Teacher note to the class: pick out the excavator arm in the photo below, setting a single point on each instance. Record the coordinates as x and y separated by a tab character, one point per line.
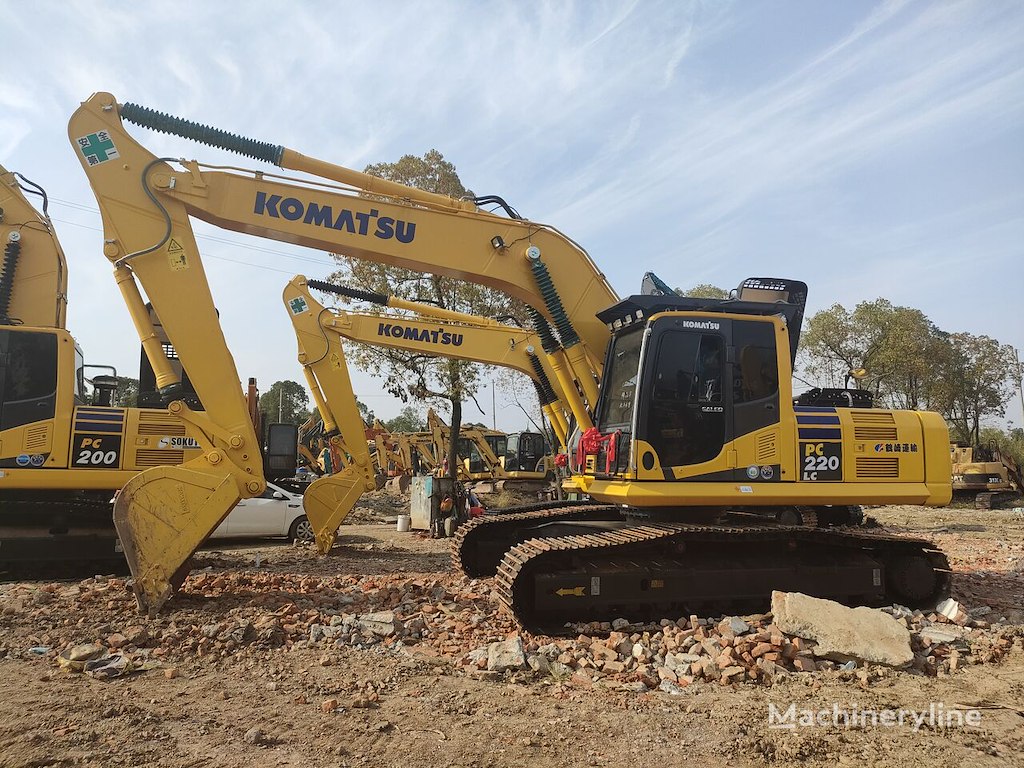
319	332
163	514
449	334
330	498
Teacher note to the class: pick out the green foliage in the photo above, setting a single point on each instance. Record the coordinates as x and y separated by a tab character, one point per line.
704	291
127	393
286	402
896	345
407	420
431	173
911	363
974	380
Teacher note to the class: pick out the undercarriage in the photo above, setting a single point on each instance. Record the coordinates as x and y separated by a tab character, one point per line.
558	565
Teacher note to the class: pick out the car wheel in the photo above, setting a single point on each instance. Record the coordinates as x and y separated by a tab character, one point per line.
301	530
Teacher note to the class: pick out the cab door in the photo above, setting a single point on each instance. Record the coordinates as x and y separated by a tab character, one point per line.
531	451
755	390
683	403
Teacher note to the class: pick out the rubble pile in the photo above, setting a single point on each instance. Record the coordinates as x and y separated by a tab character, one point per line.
755	649
220	614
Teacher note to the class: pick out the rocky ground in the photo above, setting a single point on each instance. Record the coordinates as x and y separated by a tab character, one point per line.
379	655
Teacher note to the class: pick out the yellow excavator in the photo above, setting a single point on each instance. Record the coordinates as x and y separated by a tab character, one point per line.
985	473
684	407
64	450
436	331
320	332
499	460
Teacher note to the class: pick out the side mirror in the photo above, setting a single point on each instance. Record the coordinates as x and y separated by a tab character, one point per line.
278	495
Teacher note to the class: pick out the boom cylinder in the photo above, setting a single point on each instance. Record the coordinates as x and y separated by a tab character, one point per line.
151	344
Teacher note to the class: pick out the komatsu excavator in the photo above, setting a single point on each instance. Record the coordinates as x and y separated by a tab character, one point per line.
319	332
684	405
63	452
520	459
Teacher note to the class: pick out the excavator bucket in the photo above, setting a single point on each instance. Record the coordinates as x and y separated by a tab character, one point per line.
162	516
328	501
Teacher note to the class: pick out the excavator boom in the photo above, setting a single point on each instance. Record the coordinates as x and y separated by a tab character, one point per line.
34	271
450	334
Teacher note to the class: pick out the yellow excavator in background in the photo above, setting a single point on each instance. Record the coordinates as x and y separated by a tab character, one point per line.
521	459
320	331
986	473
65	448
485	456
684	406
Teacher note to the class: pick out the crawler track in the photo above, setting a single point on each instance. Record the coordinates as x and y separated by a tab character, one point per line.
58	535
661	570
479	545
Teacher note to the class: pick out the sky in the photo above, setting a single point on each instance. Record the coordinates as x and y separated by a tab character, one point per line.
870	149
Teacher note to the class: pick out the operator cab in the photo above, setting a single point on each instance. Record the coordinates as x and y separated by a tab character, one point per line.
524	452
684	376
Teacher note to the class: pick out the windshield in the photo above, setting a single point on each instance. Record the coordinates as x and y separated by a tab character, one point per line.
615	411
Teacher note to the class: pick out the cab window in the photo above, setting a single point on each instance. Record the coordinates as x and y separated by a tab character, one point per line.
28	370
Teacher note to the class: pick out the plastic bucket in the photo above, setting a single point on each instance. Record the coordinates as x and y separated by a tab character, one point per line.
404	523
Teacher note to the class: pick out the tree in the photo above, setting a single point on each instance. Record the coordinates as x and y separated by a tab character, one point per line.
365	413
973	381
912	364
704	291
127	393
286	402
518	389
407	420
895	345
420	375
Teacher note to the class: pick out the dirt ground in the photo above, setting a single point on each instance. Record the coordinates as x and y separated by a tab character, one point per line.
215	702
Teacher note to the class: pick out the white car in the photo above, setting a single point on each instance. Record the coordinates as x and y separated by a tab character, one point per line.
278	512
